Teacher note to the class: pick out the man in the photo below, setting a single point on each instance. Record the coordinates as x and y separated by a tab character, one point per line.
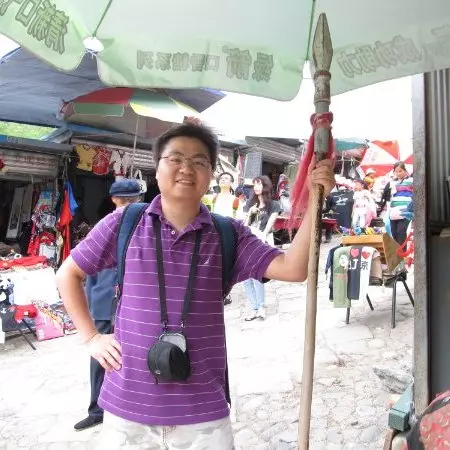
225	203
139	411
100	291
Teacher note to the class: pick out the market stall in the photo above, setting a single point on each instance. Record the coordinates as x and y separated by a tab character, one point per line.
35	214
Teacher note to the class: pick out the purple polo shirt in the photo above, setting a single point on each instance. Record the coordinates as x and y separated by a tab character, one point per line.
131	392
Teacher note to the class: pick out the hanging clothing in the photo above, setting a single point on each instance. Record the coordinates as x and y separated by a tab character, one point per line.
101	161
27	203
340	277
86	156
354	273
121	161
366	265
329	266
63	225
43	218
341	203
72	202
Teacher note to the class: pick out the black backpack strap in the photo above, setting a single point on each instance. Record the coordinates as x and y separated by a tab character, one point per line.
128	223
228	244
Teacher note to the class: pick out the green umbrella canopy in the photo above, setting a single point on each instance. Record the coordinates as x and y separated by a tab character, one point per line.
257	47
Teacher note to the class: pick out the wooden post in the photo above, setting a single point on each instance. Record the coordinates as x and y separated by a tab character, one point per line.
322	53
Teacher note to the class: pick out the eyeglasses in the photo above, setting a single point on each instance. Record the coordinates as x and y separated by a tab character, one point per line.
180	160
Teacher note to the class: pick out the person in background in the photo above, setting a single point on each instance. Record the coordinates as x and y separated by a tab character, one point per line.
241	213
225	203
100	291
401	198
370	178
261	218
364	208
329	213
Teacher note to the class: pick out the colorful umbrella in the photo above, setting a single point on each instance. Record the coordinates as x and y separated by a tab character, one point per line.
119	109
381	157
257	47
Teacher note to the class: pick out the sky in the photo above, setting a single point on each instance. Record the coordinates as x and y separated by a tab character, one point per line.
378	112
6	45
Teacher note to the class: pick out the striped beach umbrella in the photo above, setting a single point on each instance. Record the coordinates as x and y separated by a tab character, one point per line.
146	113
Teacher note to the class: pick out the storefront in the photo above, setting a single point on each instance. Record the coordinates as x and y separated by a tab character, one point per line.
34	230
96	166
30	169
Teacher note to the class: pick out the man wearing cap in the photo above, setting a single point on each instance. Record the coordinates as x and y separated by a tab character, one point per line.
100	291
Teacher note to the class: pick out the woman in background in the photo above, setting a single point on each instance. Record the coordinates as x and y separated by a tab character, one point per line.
401	199
261	218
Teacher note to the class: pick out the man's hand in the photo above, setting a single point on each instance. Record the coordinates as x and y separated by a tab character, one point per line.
322	173
106	350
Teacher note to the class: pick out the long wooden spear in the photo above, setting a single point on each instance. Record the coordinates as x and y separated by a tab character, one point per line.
322	53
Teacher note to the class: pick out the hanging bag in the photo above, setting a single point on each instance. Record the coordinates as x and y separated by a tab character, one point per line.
141	181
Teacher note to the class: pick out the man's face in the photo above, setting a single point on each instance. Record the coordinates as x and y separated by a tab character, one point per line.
184	171
225	181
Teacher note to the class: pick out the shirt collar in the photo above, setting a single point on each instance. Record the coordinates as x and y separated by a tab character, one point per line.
203	218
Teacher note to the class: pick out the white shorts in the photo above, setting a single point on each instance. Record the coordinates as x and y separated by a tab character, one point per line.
118	433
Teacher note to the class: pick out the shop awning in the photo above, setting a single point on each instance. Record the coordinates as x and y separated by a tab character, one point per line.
31	91
29	159
273	151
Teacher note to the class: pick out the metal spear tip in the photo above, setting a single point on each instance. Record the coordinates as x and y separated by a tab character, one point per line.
322	47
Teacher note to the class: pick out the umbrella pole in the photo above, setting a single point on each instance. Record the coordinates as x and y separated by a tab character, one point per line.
134	146
322	53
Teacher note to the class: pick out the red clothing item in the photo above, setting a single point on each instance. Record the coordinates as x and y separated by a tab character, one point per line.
25	311
63	224
26	261
300	192
44	238
100	163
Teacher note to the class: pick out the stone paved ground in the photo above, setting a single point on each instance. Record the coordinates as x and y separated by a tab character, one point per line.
43	393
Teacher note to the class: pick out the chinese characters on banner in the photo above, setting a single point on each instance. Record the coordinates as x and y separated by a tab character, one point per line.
239	63
369	58
41	19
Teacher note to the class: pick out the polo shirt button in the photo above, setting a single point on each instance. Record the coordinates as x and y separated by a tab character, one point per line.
173	232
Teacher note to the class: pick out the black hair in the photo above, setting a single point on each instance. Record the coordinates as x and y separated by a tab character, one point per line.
240	191
225	173
400	164
267	192
204	134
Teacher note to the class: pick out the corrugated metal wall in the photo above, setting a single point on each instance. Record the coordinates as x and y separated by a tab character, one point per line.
437	89
29	163
275	152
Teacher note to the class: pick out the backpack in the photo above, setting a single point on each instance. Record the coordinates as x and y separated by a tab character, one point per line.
130	220
228	244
